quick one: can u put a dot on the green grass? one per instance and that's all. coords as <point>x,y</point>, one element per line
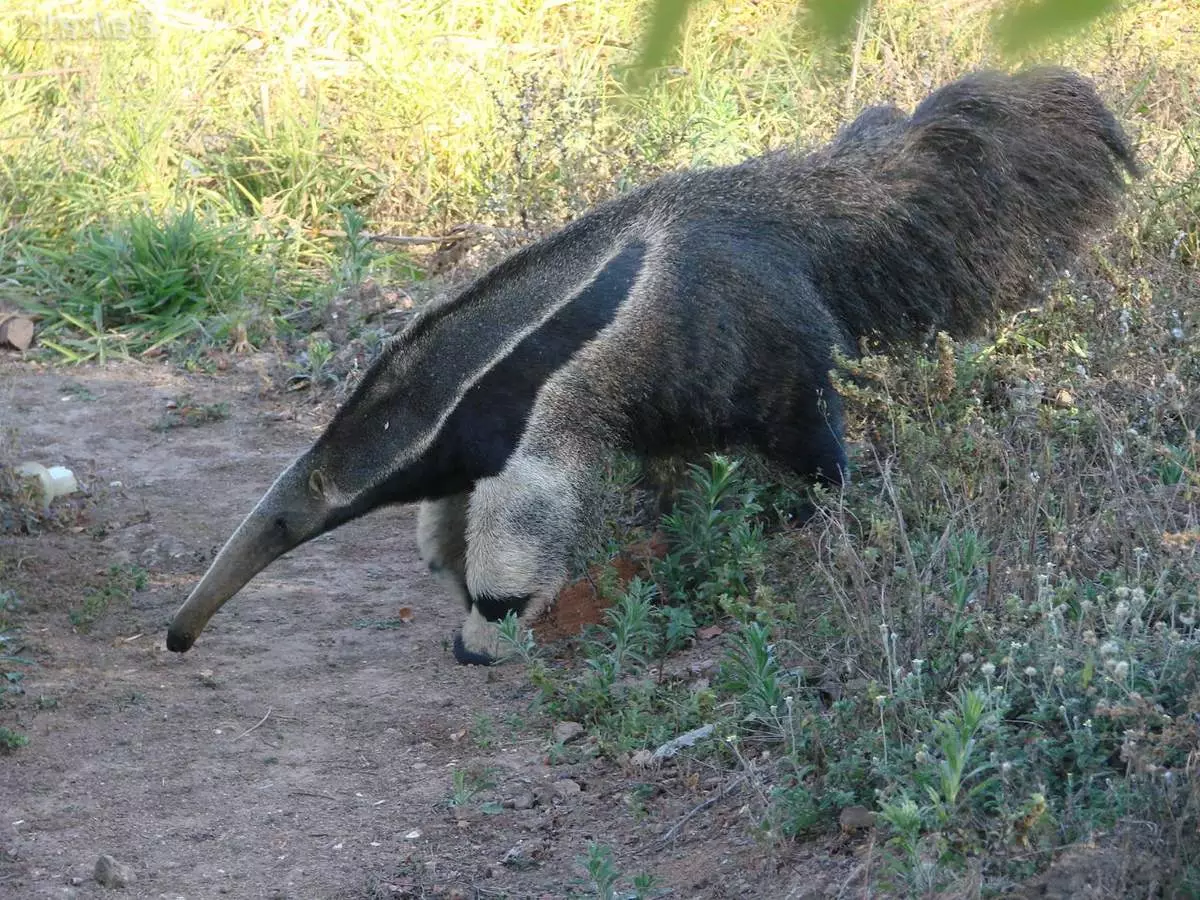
<point>194,175</point>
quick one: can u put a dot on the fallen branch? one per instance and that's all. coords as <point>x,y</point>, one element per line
<point>454,235</point>
<point>252,727</point>
<point>717,798</point>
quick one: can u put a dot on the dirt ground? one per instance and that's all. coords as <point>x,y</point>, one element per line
<point>300,750</point>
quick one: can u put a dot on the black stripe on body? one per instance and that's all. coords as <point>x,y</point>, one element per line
<point>481,434</point>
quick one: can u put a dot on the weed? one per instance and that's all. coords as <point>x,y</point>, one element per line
<point>120,582</point>
<point>604,877</point>
<point>467,786</point>
<point>78,391</point>
<point>751,672</point>
<point>601,871</point>
<point>718,544</point>
<point>9,605</point>
<point>357,251</point>
<point>186,412</point>
<point>483,731</point>
<point>11,741</point>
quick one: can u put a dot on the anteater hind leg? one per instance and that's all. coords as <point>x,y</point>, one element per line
<point>811,444</point>
<point>521,528</point>
<point>442,542</point>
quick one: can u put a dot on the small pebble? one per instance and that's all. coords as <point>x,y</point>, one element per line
<point>567,789</point>
<point>565,732</point>
<point>113,874</point>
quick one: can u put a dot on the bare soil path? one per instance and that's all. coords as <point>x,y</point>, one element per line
<point>299,750</point>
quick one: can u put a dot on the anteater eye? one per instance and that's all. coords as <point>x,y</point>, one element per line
<point>281,524</point>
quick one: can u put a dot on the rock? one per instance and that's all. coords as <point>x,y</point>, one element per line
<point>516,858</point>
<point>522,801</point>
<point>642,758</point>
<point>856,818</point>
<point>565,732</point>
<point>567,789</point>
<point>113,874</point>
<point>15,331</point>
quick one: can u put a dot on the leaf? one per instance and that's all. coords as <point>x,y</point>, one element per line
<point>405,614</point>
<point>833,19</point>
<point>1023,23</point>
<point>662,32</point>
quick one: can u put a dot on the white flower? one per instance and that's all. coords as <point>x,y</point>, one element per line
<point>1058,672</point>
<point>1030,671</point>
<point>988,670</point>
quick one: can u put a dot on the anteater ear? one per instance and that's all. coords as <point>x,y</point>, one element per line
<point>318,485</point>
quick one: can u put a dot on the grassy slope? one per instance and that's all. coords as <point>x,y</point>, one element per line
<point>990,640</point>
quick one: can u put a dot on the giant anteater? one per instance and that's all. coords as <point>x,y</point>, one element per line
<point>698,312</point>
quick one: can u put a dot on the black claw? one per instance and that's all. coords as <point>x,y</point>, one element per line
<point>470,657</point>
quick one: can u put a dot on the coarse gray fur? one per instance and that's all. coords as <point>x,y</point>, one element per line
<point>698,312</point>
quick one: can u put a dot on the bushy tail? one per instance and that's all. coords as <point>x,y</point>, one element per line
<point>961,206</point>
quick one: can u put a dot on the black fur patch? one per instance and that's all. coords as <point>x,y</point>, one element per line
<point>494,609</point>
<point>488,423</point>
<point>486,426</point>
<point>469,657</point>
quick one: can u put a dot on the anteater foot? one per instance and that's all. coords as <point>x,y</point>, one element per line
<point>470,657</point>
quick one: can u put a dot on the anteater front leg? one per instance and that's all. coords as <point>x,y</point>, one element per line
<point>521,527</point>
<point>442,542</point>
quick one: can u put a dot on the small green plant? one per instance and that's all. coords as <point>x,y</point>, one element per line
<point>602,872</point>
<point>357,252</point>
<point>718,543</point>
<point>483,731</point>
<point>957,778</point>
<point>613,694</point>
<point>678,627</point>
<point>751,672</point>
<point>119,583</point>
<point>467,786</point>
<point>315,359</point>
<point>9,605</point>
<point>604,877</point>
<point>11,741</point>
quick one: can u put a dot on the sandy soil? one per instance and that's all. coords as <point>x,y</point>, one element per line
<point>299,750</point>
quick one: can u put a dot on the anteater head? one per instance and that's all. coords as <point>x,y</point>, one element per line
<point>443,407</point>
<point>377,450</point>
<point>301,504</point>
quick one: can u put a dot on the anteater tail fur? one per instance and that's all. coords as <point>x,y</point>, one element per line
<point>699,312</point>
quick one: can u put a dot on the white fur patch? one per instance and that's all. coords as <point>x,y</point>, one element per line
<point>519,523</point>
<point>481,636</point>
<point>422,442</point>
